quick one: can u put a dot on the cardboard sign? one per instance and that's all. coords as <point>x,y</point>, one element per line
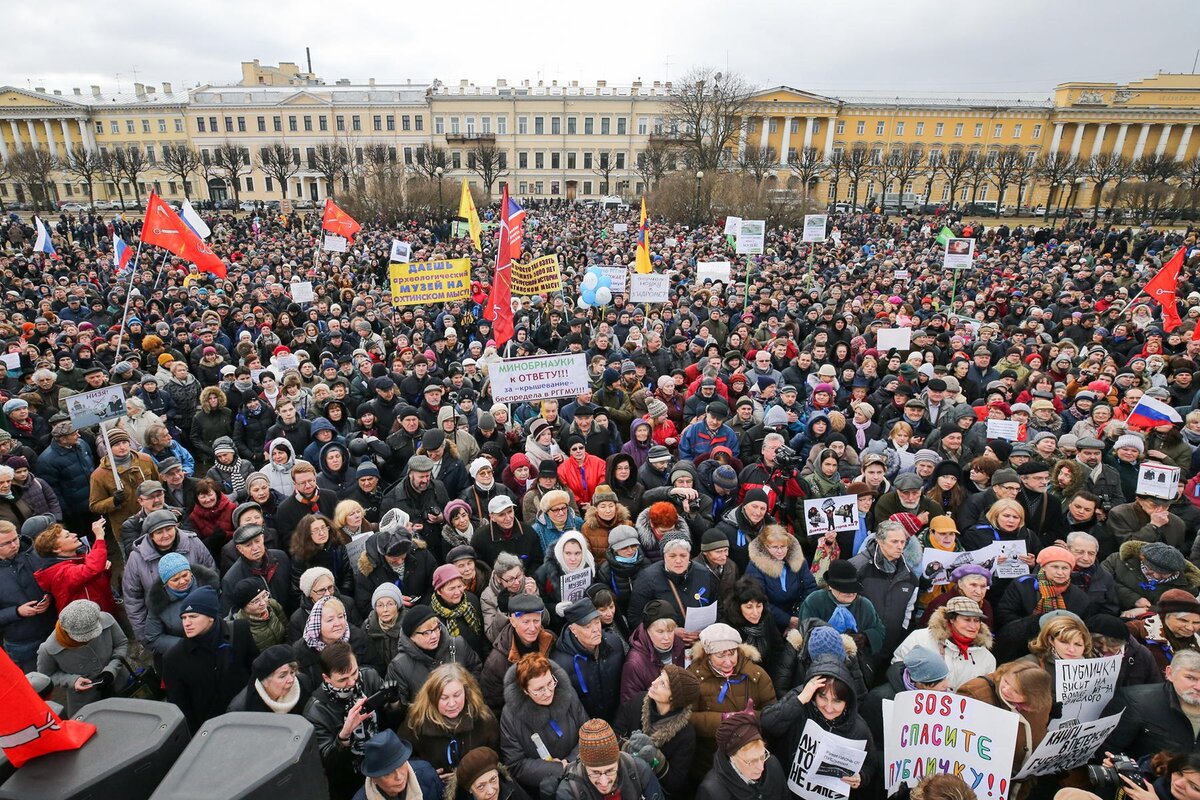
<point>649,288</point>
<point>827,514</point>
<point>12,361</point>
<point>1007,429</point>
<point>732,225</point>
<point>894,338</point>
<point>620,227</point>
<point>1067,747</point>
<point>901,275</point>
<point>959,254</point>
<point>334,244</point>
<point>521,380</point>
<point>1158,480</point>
<point>401,251</point>
<point>938,733</point>
<point>713,271</point>
<point>574,585</point>
<point>751,237</point>
<point>1084,686</point>
<point>814,227</point>
<point>619,276</point>
<point>540,276</point>
<point>99,405</point>
<point>821,760</point>
<point>670,242</point>
<point>430,281</point>
<point>302,291</point>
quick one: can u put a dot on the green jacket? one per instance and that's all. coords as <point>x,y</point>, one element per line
<point>820,604</point>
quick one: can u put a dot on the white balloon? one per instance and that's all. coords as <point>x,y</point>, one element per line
<point>590,281</point>
<point>584,303</point>
<point>603,296</point>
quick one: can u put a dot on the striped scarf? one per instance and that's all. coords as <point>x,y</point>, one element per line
<point>1049,595</point>
<point>457,616</point>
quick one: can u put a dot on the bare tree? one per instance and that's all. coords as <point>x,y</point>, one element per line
<point>85,165</point>
<point>6,174</point>
<point>277,163</point>
<point>428,158</point>
<point>111,167</point>
<point>1103,169</point>
<point>836,166</point>
<point>209,170</point>
<point>1057,169</point>
<point>808,166</point>
<point>955,166</point>
<point>489,162</point>
<point>1023,173</point>
<point>232,163</point>
<point>332,162</point>
<point>858,166</point>
<point>757,162</point>
<point>978,171</point>
<point>908,164</point>
<point>181,161</point>
<point>1189,178</point>
<point>1002,170</point>
<point>32,166</point>
<point>133,164</point>
<point>1155,168</point>
<point>654,163</point>
<point>705,112</point>
<point>605,166</point>
<point>887,168</point>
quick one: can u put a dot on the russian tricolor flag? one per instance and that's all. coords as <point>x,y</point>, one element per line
<point>192,219</point>
<point>1150,413</point>
<point>121,254</point>
<point>43,242</point>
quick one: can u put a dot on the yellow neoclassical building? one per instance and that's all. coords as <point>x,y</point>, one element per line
<point>573,141</point>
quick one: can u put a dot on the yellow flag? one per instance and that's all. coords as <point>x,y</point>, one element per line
<point>642,262</point>
<point>466,210</point>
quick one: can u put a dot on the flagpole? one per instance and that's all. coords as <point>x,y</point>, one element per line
<point>128,297</point>
<point>158,277</point>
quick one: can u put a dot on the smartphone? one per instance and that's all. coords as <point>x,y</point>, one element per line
<point>377,701</point>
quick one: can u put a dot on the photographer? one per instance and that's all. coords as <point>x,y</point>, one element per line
<point>1176,777</point>
<point>777,470</point>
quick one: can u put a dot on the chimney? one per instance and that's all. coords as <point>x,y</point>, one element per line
<point>40,89</point>
<point>58,92</point>
<point>77,91</point>
<point>463,83</point>
<point>370,81</point>
<point>139,89</point>
<point>150,90</point>
<point>167,88</point>
<point>601,84</point>
<point>95,90</point>
<point>574,84</point>
<point>501,83</point>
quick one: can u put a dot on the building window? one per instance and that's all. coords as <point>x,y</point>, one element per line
<point>199,125</point>
<point>522,160</point>
<point>622,126</point>
<point>572,126</point>
<point>277,124</point>
<point>899,128</point>
<point>408,155</point>
<point>456,160</point>
<point>270,183</point>
<point>292,124</point>
<point>587,187</point>
<point>794,125</point>
<point>539,160</point>
<point>571,160</point>
<point>555,161</point>
<point>978,129</point>
<point>179,126</point>
<point>307,124</point>
<point>816,126</point>
<point>419,123</point>
<point>503,162</point>
<point>377,122</point>
<point>323,123</point>
<point>485,124</point>
<point>939,129</point>
<point>538,188</point>
<point>340,123</point>
<point>129,126</point>
<point>454,125</point>
<point>355,123</point>
<point>773,125</point>
<point>439,125</point>
<point>296,156</point>
<point>241,122</point>
<point>470,126</point>
<point>958,130</point>
<point>620,161</point>
<point>998,131</point>
<point>556,126</point>
<point>841,127</point>
<point>405,122</point>
<point>162,126</point>
<point>262,124</point>
<point>879,128</point>
<point>249,184</point>
<point>643,126</point>
<point>587,160</point>
<point>522,188</point>
<point>391,122</point>
<point>589,125</point>
<point>553,187</point>
<point>212,124</point>
<point>522,125</point>
<point>228,125</point>
<point>539,125</point>
<point>1017,131</point>
<point>501,125</point>
<point>150,154</point>
<point>605,126</point>
<point>310,155</point>
<point>861,128</point>
<point>920,129</point>
<point>1037,131</point>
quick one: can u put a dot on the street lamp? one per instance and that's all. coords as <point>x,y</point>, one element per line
<point>441,200</point>
<point>699,178</point>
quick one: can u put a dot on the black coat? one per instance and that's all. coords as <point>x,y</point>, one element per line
<point>1016,620</point>
<point>248,699</point>
<point>201,679</point>
<point>672,734</point>
<point>372,571</point>
<point>652,583</point>
<point>310,664</point>
<point>280,583</point>
<point>595,677</point>
<point>291,511</point>
<point>723,783</point>
<point>1153,721</point>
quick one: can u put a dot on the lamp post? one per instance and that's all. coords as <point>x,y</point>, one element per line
<point>699,178</point>
<point>1058,206</point>
<point>441,200</point>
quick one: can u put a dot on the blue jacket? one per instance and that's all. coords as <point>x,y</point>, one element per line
<point>17,587</point>
<point>786,583</point>
<point>697,440</point>
<point>176,450</point>
<point>427,779</point>
<point>69,472</point>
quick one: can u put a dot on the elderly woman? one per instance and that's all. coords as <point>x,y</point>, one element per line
<point>1174,626</point>
<point>743,766</point>
<point>315,583</point>
<point>70,569</point>
<point>458,609</point>
<point>423,645</point>
<point>327,624</point>
<point>651,645</point>
<point>137,421</point>
<point>1029,597</point>
<point>457,529</point>
<point>507,579</point>
<point>382,625</point>
<point>777,564</point>
<point>276,685</point>
<point>602,516</point>
<point>448,719</point>
<point>539,706</point>
<point>251,600</point>
<point>481,776</point>
<point>662,711</point>
<point>570,554</point>
<point>177,579</point>
<point>969,580</point>
<point>957,633</point>
<point>85,655</point>
<point>555,517</point>
<point>212,516</point>
<point>540,445</point>
<point>1145,571</point>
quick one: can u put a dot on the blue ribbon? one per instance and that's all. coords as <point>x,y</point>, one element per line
<point>579,673</point>
<point>557,730</point>
<point>725,688</point>
<point>741,538</point>
<point>452,750</point>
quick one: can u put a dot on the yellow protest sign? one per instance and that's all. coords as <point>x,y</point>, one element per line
<point>430,281</point>
<point>540,276</point>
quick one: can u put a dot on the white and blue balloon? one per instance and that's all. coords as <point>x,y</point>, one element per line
<point>596,289</point>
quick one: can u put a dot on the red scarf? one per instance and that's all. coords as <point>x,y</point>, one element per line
<point>963,643</point>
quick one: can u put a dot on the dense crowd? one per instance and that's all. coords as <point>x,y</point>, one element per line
<point>317,508</point>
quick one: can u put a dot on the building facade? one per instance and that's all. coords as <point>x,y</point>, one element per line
<point>577,142</point>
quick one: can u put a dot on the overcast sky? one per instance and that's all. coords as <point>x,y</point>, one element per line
<point>1021,46</point>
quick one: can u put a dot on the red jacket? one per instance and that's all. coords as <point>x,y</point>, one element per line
<point>79,578</point>
<point>582,486</point>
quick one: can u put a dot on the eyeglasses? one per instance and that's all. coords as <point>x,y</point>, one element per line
<point>545,691</point>
<point>766,754</point>
<point>323,591</point>
<point>429,632</point>
<point>602,774</point>
<point>558,510</point>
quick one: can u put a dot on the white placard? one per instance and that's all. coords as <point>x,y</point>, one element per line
<point>820,761</point>
<point>670,242</point>
<point>1007,429</point>
<point>1067,747</point>
<point>1085,686</point>
<point>11,360</point>
<point>959,254</point>
<point>697,618</point>
<point>814,227</point>
<point>619,276</point>
<point>283,362</point>
<point>520,380</point>
<point>302,291</point>
<point>574,584</point>
<point>334,244</point>
<point>901,275</point>
<point>1012,566</point>
<point>649,288</point>
<point>713,271</point>
<point>733,225</point>
<point>894,338</point>
<point>938,565</point>
<point>827,514</point>
<point>751,237</point>
<point>1158,480</point>
<point>620,227</point>
<point>96,406</point>
<point>401,252</point>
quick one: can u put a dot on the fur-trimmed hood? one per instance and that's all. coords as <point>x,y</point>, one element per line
<point>767,565</point>
<point>665,728</point>
<point>534,715</point>
<point>939,627</point>
<point>208,392</point>
<point>795,640</point>
<point>1131,551</point>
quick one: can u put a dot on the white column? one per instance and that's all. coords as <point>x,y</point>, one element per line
<point>1181,151</point>
<point>1077,142</point>
<point>66,134</point>
<point>742,138</point>
<point>33,137</point>
<point>1057,138</point>
<point>1141,141</point>
<point>50,144</point>
<point>787,141</point>
<point>1162,140</point>
<point>830,124</point>
<point>87,134</point>
<point>808,131</point>
<point>1096,145</point>
<point>16,132</point>
<point>3,145</point>
<point>1119,147</point>
<point>766,132</point>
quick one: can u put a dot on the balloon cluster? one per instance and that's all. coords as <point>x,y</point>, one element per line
<point>596,289</point>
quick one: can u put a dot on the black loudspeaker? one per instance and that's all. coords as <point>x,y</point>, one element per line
<point>249,756</point>
<point>135,744</point>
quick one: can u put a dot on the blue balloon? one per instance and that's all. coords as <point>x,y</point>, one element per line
<point>589,295</point>
<point>605,281</point>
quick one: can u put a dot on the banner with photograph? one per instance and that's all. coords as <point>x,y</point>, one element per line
<point>521,380</point>
<point>540,276</point>
<point>401,251</point>
<point>959,254</point>
<point>1158,480</point>
<point>826,514</point>
<point>751,237</point>
<point>99,405</point>
<point>821,760</point>
<point>814,227</point>
<point>415,283</point>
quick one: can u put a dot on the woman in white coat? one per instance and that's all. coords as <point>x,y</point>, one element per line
<point>958,633</point>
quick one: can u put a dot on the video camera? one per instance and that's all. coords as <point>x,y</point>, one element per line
<point>787,459</point>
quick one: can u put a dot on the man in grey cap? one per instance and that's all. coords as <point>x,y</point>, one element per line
<point>906,496</point>
<point>179,488</point>
<point>1103,480</point>
<point>422,497</point>
<point>255,559</point>
<point>150,498</point>
<point>524,633</point>
<point>1006,485</point>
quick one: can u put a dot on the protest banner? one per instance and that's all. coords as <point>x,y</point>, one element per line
<point>334,243</point>
<point>751,237</point>
<point>1158,480</point>
<point>937,565</point>
<point>1084,686</point>
<point>283,362</point>
<point>11,361</point>
<point>821,760</point>
<point>540,276</point>
<point>938,733</point>
<point>894,339</point>
<point>713,271</point>
<point>430,281</point>
<point>99,405</point>
<point>620,227</point>
<point>302,291</point>
<point>732,225</point>
<point>1008,429</point>
<point>520,380</point>
<point>653,287</point>
<point>574,585</point>
<point>827,514</point>
<point>901,275</point>
<point>1067,747</point>
<point>814,227</point>
<point>401,251</point>
<point>959,254</point>
<point>1011,566</point>
<point>619,276</point>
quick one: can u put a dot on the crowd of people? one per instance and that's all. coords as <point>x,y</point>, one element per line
<point>318,509</point>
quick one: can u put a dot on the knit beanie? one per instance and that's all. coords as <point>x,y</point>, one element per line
<point>719,637</point>
<point>725,477</point>
<point>736,731</point>
<point>116,436</point>
<point>415,617</point>
<point>1049,555</point>
<point>387,590</point>
<point>1130,440</point>
<point>685,687</point>
<point>246,590</point>
<point>604,493</point>
<point>675,539</point>
<point>310,577</point>
<point>202,601</point>
<point>825,641</point>
<point>598,744</point>
<point>656,610</point>
<point>171,565</point>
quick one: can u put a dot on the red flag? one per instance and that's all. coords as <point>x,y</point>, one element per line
<point>338,221</point>
<point>499,305</point>
<point>1161,289</point>
<point>28,728</point>
<point>163,227</point>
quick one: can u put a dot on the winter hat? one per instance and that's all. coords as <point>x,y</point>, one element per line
<point>246,590</point>
<point>16,404</point>
<point>171,565</point>
<point>366,469</point>
<point>415,617</point>
<point>1130,440</point>
<point>477,465</point>
<point>736,731</point>
<point>552,498</point>
<point>656,407</point>
<point>756,495</point>
<point>656,610</point>
<point>685,687</point>
<point>204,601</point>
<point>1178,601</point>
<point>1003,476</point>
<point>622,536</point>
<point>1053,553</point>
<point>725,477</point>
<point>825,641</point>
<point>713,539</point>
<point>310,576</point>
<point>1110,626</point>
<point>673,540</point>
<point>1001,448</point>
<point>598,744</point>
<point>444,574</point>
<point>81,620</point>
<point>118,435</point>
<point>603,494</point>
<point>223,444</point>
<point>718,637</point>
<point>474,764</point>
<point>387,590</point>
<point>925,666</point>
<point>1163,557</point>
<point>453,506</point>
<point>659,453</point>
<point>927,455</point>
<point>270,660</point>
<point>460,553</point>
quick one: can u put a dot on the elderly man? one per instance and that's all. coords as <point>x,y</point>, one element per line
<point>1103,480</point>
<point>678,581</point>
<point>1088,575</point>
<point>255,559</point>
<point>67,465</point>
<point>119,504</point>
<point>1146,519</point>
<point>699,438</point>
<point>1159,716</point>
<point>592,656</point>
<point>1043,511</point>
<point>889,583</point>
<point>906,496</point>
<point>390,557</point>
<point>522,634</point>
<point>160,534</point>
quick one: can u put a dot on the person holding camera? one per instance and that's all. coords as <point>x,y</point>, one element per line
<point>1174,776</point>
